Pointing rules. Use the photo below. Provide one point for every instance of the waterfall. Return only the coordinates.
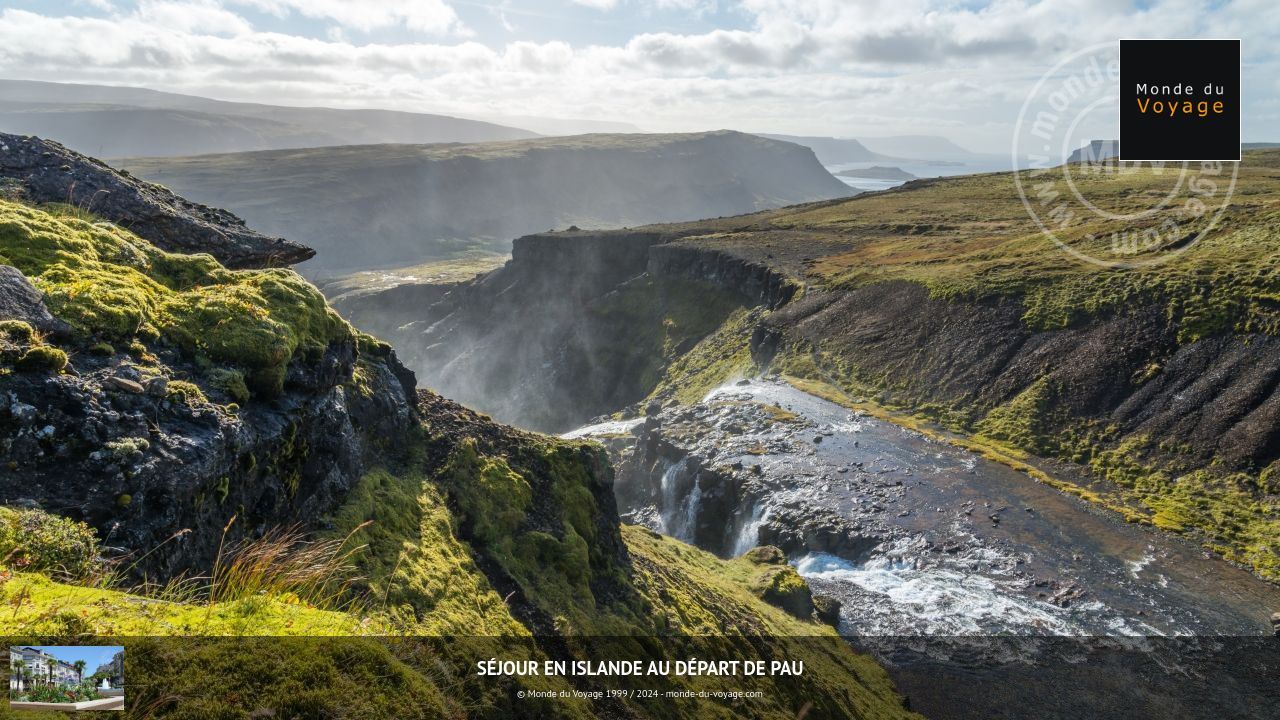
(749, 534)
(670, 492)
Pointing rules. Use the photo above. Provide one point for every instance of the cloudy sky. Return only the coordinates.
(824, 67)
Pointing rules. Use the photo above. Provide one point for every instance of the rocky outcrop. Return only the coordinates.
(577, 324)
(761, 284)
(20, 300)
(42, 171)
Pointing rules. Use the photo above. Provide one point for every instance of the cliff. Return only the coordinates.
(379, 206)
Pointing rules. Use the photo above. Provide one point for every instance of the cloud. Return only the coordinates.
(426, 16)
(597, 4)
(801, 66)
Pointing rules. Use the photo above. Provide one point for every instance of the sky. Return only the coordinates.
(840, 68)
(93, 655)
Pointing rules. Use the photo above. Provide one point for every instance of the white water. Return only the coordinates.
(936, 601)
(670, 501)
(611, 427)
(749, 535)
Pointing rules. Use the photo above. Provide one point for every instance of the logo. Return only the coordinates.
(1096, 207)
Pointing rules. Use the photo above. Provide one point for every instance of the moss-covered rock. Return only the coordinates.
(42, 358)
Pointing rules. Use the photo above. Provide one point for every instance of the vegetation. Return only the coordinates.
(112, 286)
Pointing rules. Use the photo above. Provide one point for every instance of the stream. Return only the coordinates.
(922, 540)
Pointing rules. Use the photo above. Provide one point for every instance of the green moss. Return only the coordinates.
(783, 587)
(42, 358)
(719, 357)
(110, 285)
(37, 605)
(18, 331)
(128, 447)
(185, 392)
(1023, 420)
(37, 541)
(231, 382)
(102, 349)
(124, 500)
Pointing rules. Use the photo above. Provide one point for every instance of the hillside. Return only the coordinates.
(109, 121)
(198, 451)
(1150, 391)
(365, 207)
(831, 151)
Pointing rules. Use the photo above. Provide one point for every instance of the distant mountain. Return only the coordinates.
(380, 206)
(919, 147)
(108, 121)
(878, 172)
(563, 126)
(831, 151)
(1096, 151)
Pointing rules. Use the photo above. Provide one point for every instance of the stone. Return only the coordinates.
(157, 386)
(124, 384)
(20, 300)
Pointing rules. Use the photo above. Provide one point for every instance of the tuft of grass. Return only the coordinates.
(284, 563)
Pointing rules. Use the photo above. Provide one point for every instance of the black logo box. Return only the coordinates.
(1180, 65)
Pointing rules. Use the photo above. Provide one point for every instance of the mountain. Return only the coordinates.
(108, 121)
(831, 151)
(1096, 151)
(564, 126)
(878, 172)
(376, 206)
(920, 147)
(253, 465)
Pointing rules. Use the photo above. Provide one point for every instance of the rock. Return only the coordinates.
(125, 384)
(20, 300)
(827, 609)
(766, 555)
(157, 386)
(1275, 623)
(150, 211)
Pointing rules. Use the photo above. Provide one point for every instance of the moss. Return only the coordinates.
(102, 349)
(110, 285)
(1023, 420)
(783, 587)
(716, 359)
(231, 382)
(185, 392)
(128, 447)
(38, 541)
(124, 500)
(36, 605)
(18, 331)
(370, 345)
(42, 358)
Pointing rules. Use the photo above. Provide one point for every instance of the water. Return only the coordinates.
(1047, 564)
(980, 164)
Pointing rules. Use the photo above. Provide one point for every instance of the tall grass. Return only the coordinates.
(283, 562)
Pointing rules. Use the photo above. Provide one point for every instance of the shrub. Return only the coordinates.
(42, 358)
(36, 540)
